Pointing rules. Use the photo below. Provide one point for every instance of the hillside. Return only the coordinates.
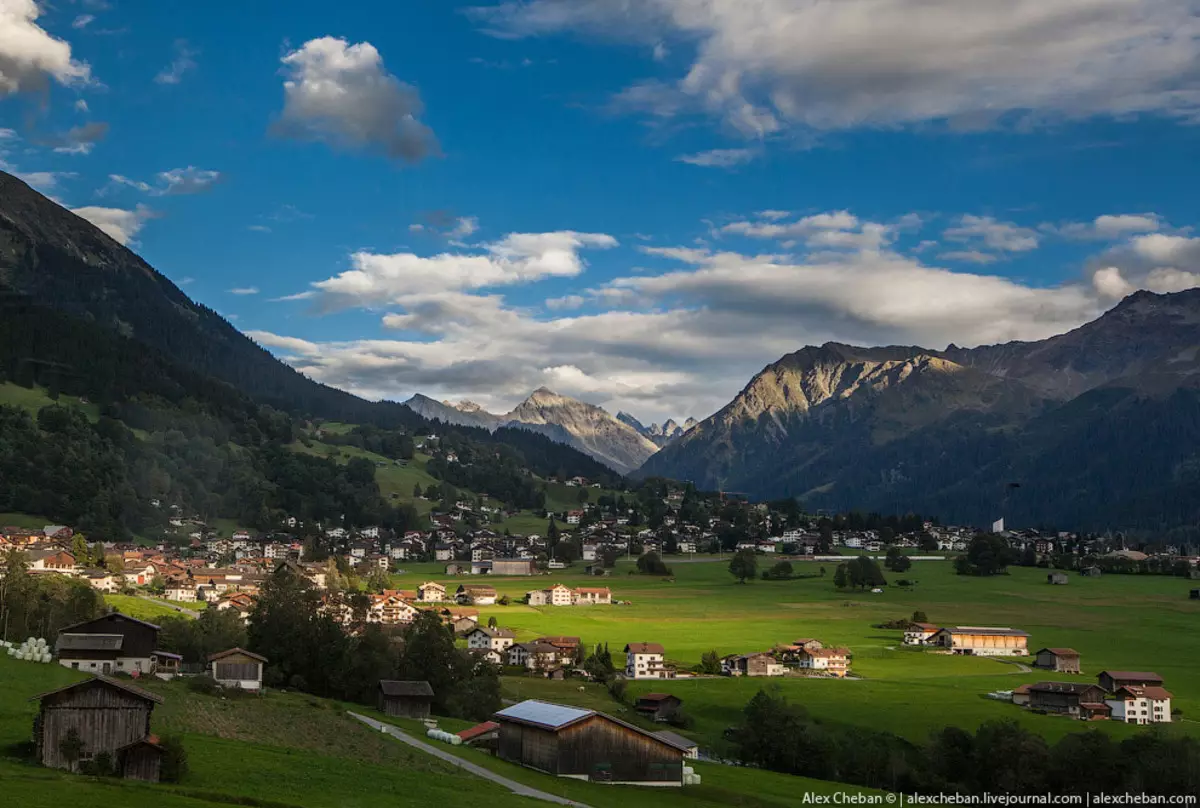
(1098, 426)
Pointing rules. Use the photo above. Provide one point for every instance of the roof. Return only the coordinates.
(1061, 687)
(923, 626)
(394, 687)
(600, 589)
(128, 688)
(1153, 692)
(544, 714)
(1058, 651)
(479, 729)
(994, 631)
(111, 614)
(657, 697)
(88, 642)
(644, 648)
(231, 651)
(168, 655)
(676, 740)
(1133, 676)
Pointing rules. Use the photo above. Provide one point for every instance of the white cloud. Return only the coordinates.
(121, 225)
(175, 182)
(765, 64)
(81, 105)
(29, 56)
(184, 62)
(565, 302)
(244, 290)
(82, 21)
(464, 227)
(76, 140)
(259, 228)
(342, 95)
(968, 256)
(1155, 261)
(988, 232)
(719, 158)
(1109, 227)
(44, 181)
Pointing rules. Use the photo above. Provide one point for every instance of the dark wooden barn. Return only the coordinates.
(94, 646)
(405, 699)
(571, 742)
(107, 716)
(658, 706)
(141, 760)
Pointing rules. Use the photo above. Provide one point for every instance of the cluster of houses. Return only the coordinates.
(806, 656)
(1134, 697)
(969, 640)
(561, 595)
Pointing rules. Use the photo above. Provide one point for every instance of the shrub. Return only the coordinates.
(174, 760)
(203, 684)
(616, 689)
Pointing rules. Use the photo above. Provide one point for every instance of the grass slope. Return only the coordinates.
(33, 399)
(148, 610)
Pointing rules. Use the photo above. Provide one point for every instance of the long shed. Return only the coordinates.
(586, 745)
(107, 715)
(405, 699)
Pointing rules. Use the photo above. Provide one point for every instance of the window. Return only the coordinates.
(75, 666)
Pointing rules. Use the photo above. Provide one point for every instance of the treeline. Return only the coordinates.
(308, 649)
(1001, 757)
(40, 605)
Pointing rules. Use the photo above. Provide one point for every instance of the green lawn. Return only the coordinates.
(1116, 622)
(27, 521)
(147, 610)
(33, 399)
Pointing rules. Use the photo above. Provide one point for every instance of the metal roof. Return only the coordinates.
(544, 714)
(88, 642)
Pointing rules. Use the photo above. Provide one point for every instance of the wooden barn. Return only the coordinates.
(586, 745)
(658, 706)
(238, 669)
(141, 760)
(405, 699)
(114, 643)
(108, 716)
(1060, 660)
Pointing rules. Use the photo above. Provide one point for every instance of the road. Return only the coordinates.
(180, 609)
(454, 760)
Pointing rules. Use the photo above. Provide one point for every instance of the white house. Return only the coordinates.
(919, 633)
(560, 595)
(644, 660)
(590, 595)
(1140, 705)
(431, 592)
(494, 639)
(238, 669)
(574, 517)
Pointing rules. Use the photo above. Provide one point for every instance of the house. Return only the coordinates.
(1058, 578)
(1077, 699)
(919, 633)
(109, 644)
(477, 594)
(537, 597)
(982, 640)
(832, 661)
(431, 592)
(512, 566)
(496, 639)
(589, 595)
(389, 609)
(166, 664)
(405, 699)
(486, 735)
(644, 660)
(567, 646)
(1020, 695)
(1112, 681)
(560, 595)
(237, 669)
(1059, 660)
(574, 517)
(103, 581)
(658, 706)
(691, 749)
(1137, 704)
(107, 715)
(535, 656)
(586, 745)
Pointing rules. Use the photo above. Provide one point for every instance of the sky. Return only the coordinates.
(640, 203)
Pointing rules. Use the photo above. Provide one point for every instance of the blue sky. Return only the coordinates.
(640, 204)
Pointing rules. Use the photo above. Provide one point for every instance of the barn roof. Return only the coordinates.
(88, 642)
(544, 714)
(128, 688)
(644, 648)
(676, 740)
(479, 729)
(1062, 652)
(232, 651)
(105, 617)
(394, 687)
(1135, 676)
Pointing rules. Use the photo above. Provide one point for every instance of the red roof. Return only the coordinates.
(644, 648)
(479, 729)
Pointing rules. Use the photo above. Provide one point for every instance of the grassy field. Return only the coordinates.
(27, 521)
(144, 609)
(1115, 622)
(34, 398)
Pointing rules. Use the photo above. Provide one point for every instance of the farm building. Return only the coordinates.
(431, 592)
(537, 597)
(1059, 660)
(759, 663)
(982, 640)
(1077, 699)
(477, 594)
(658, 706)
(114, 643)
(497, 639)
(405, 699)
(1059, 578)
(1020, 695)
(1112, 680)
(512, 566)
(141, 760)
(107, 716)
(919, 633)
(586, 745)
(691, 749)
(237, 669)
(483, 735)
(588, 595)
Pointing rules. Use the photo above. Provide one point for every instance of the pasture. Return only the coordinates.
(1115, 622)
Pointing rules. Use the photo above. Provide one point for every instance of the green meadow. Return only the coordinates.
(1115, 622)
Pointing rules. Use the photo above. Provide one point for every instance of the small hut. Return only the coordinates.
(96, 716)
(141, 760)
(405, 699)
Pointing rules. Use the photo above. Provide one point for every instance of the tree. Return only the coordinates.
(552, 533)
(987, 554)
(493, 622)
(780, 571)
(927, 542)
(652, 564)
(71, 747)
(897, 561)
(841, 577)
(417, 491)
(919, 617)
(743, 565)
(583, 496)
(710, 663)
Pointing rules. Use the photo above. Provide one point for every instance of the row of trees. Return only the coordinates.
(40, 605)
(1001, 757)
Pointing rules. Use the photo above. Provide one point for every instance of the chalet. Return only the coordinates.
(60, 561)
(584, 744)
(537, 597)
(658, 706)
(1111, 681)
(497, 639)
(389, 609)
(1138, 704)
(982, 641)
(109, 644)
(589, 595)
(240, 602)
(103, 581)
(919, 633)
(644, 660)
(560, 595)
(574, 517)
(567, 646)
(1020, 695)
(1078, 699)
(237, 669)
(405, 699)
(166, 664)
(107, 715)
(537, 656)
(1059, 660)
(180, 590)
(431, 592)
(141, 760)
(477, 594)
(831, 661)
(1058, 578)
(512, 566)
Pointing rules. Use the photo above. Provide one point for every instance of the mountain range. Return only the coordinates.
(621, 443)
(1096, 428)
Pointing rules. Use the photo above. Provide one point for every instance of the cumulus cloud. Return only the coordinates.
(184, 62)
(44, 181)
(76, 140)
(719, 158)
(175, 182)
(342, 95)
(993, 234)
(119, 224)
(763, 65)
(30, 57)
(1109, 227)
(83, 21)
